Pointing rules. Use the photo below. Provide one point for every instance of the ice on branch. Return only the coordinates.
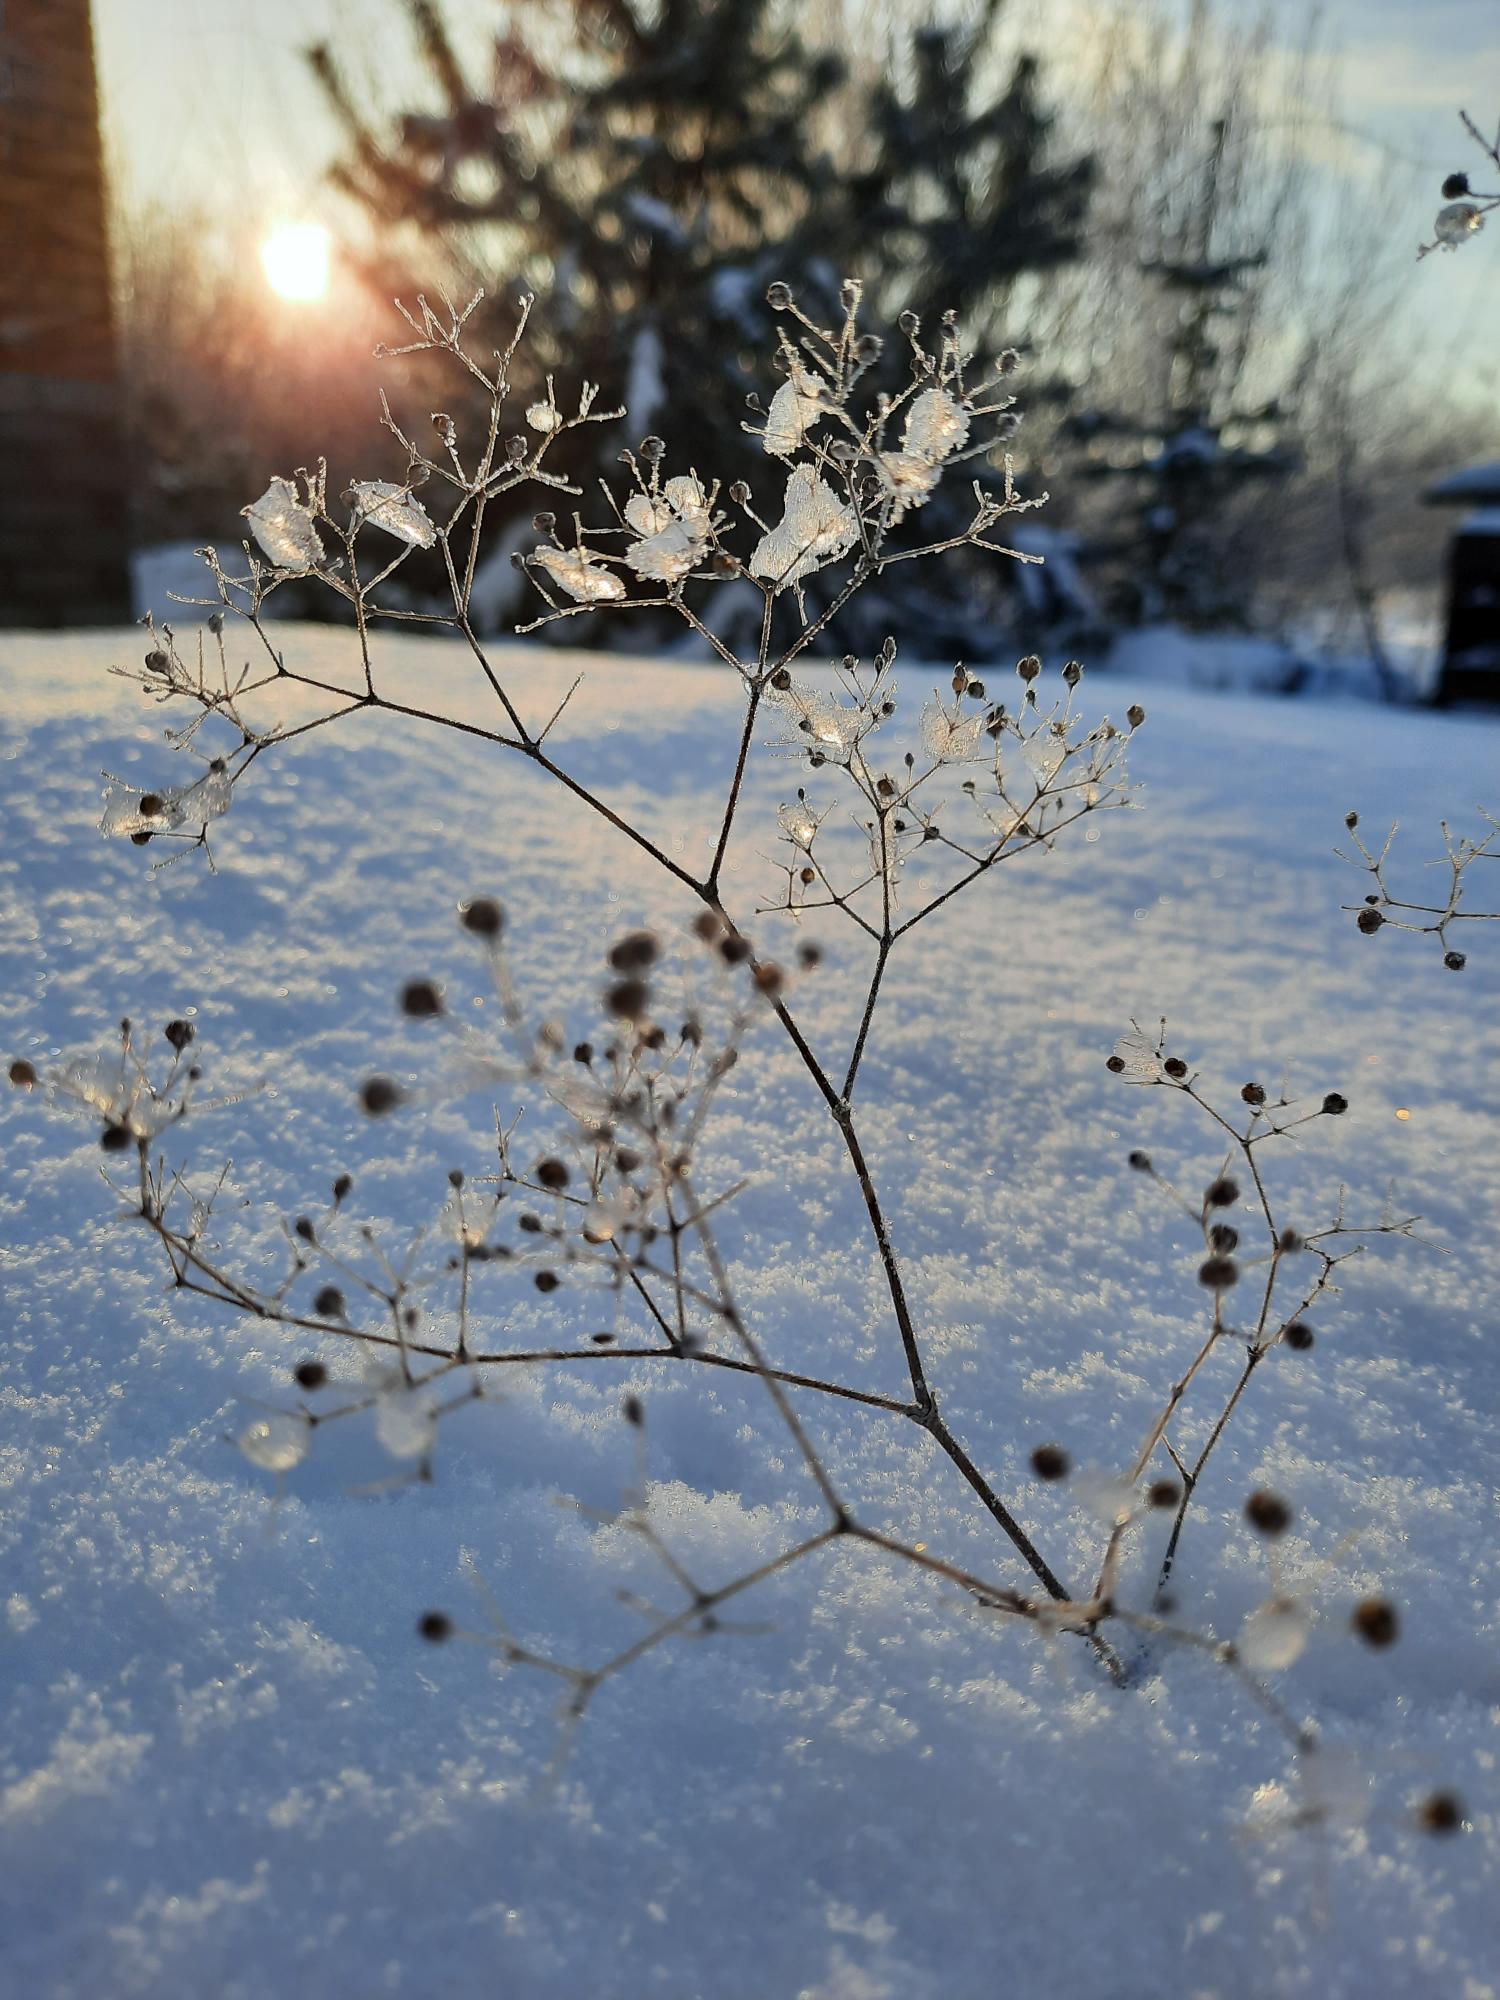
(277, 1442)
(142, 814)
(583, 580)
(937, 425)
(394, 509)
(674, 526)
(795, 408)
(816, 528)
(1456, 223)
(948, 735)
(285, 528)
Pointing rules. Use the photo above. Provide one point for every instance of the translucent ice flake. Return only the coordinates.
(936, 426)
(795, 408)
(948, 735)
(394, 509)
(405, 1420)
(1457, 223)
(907, 477)
(674, 530)
(583, 580)
(799, 823)
(276, 1443)
(127, 809)
(818, 724)
(1045, 754)
(1274, 1635)
(816, 528)
(284, 527)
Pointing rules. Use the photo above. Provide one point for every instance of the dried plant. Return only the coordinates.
(1380, 909)
(608, 1215)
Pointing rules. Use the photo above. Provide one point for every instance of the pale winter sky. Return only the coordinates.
(208, 102)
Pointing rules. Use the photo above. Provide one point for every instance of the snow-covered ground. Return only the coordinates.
(229, 1765)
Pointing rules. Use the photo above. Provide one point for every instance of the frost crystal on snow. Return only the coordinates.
(816, 528)
(394, 509)
(276, 1443)
(1457, 223)
(572, 571)
(284, 527)
(674, 530)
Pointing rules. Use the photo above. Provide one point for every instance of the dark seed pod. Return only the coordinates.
(1217, 1274)
(1369, 920)
(546, 1281)
(1135, 715)
(1029, 668)
(1116, 1065)
(483, 916)
(329, 1303)
(1455, 186)
(1175, 1068)
(435, 1627)
(421, 1000)
(1334, 1104)
(1298, 1336)
(114, 1138)
(1050, 1461)
(1454, 960)
(1221, 1193)
(633, 1411)
(1376, 1622)
(1253, 1093)
(1140, 1161)
(1441, 1812)
(342, 1188)
(1163, 1493)
(628, 998)
(1072, 673)
(179, 1034)
(634, 952)
(379, 1094)
(779, 297)
(1268, 1513)
(1223, 1238)
(553, 1174)
(23, 1074)
(310, 1375)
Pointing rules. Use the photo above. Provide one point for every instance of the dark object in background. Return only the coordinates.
(64, 535)
(1470, 669)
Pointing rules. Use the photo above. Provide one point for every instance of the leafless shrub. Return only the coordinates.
(1381, 909)
(606, 1215)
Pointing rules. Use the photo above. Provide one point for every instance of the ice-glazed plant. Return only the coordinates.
(1461, 217)
(610, 1215)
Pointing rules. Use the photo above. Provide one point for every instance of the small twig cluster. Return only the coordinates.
(1381, 910)
(1464, 208)
(606, 1220)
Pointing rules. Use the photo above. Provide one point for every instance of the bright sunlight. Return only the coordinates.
(295, 259)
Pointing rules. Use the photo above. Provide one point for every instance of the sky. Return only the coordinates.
(208, 102)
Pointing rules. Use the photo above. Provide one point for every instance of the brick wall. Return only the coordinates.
(64, 532)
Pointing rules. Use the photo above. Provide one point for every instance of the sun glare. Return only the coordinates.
(295, 260)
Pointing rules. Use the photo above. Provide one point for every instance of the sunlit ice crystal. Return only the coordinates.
(276, 1442)
(1274, 1635)
(394, 509)
(405, 1421)
(1457, 223)
(284, 527)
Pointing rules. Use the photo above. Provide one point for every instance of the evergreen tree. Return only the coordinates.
(1200, 456)
(653, 168)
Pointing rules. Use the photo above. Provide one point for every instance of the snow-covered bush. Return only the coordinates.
(614, 1218)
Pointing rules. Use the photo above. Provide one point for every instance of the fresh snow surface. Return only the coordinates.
(230, 1767)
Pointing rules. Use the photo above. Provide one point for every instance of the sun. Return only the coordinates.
(294, 257)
